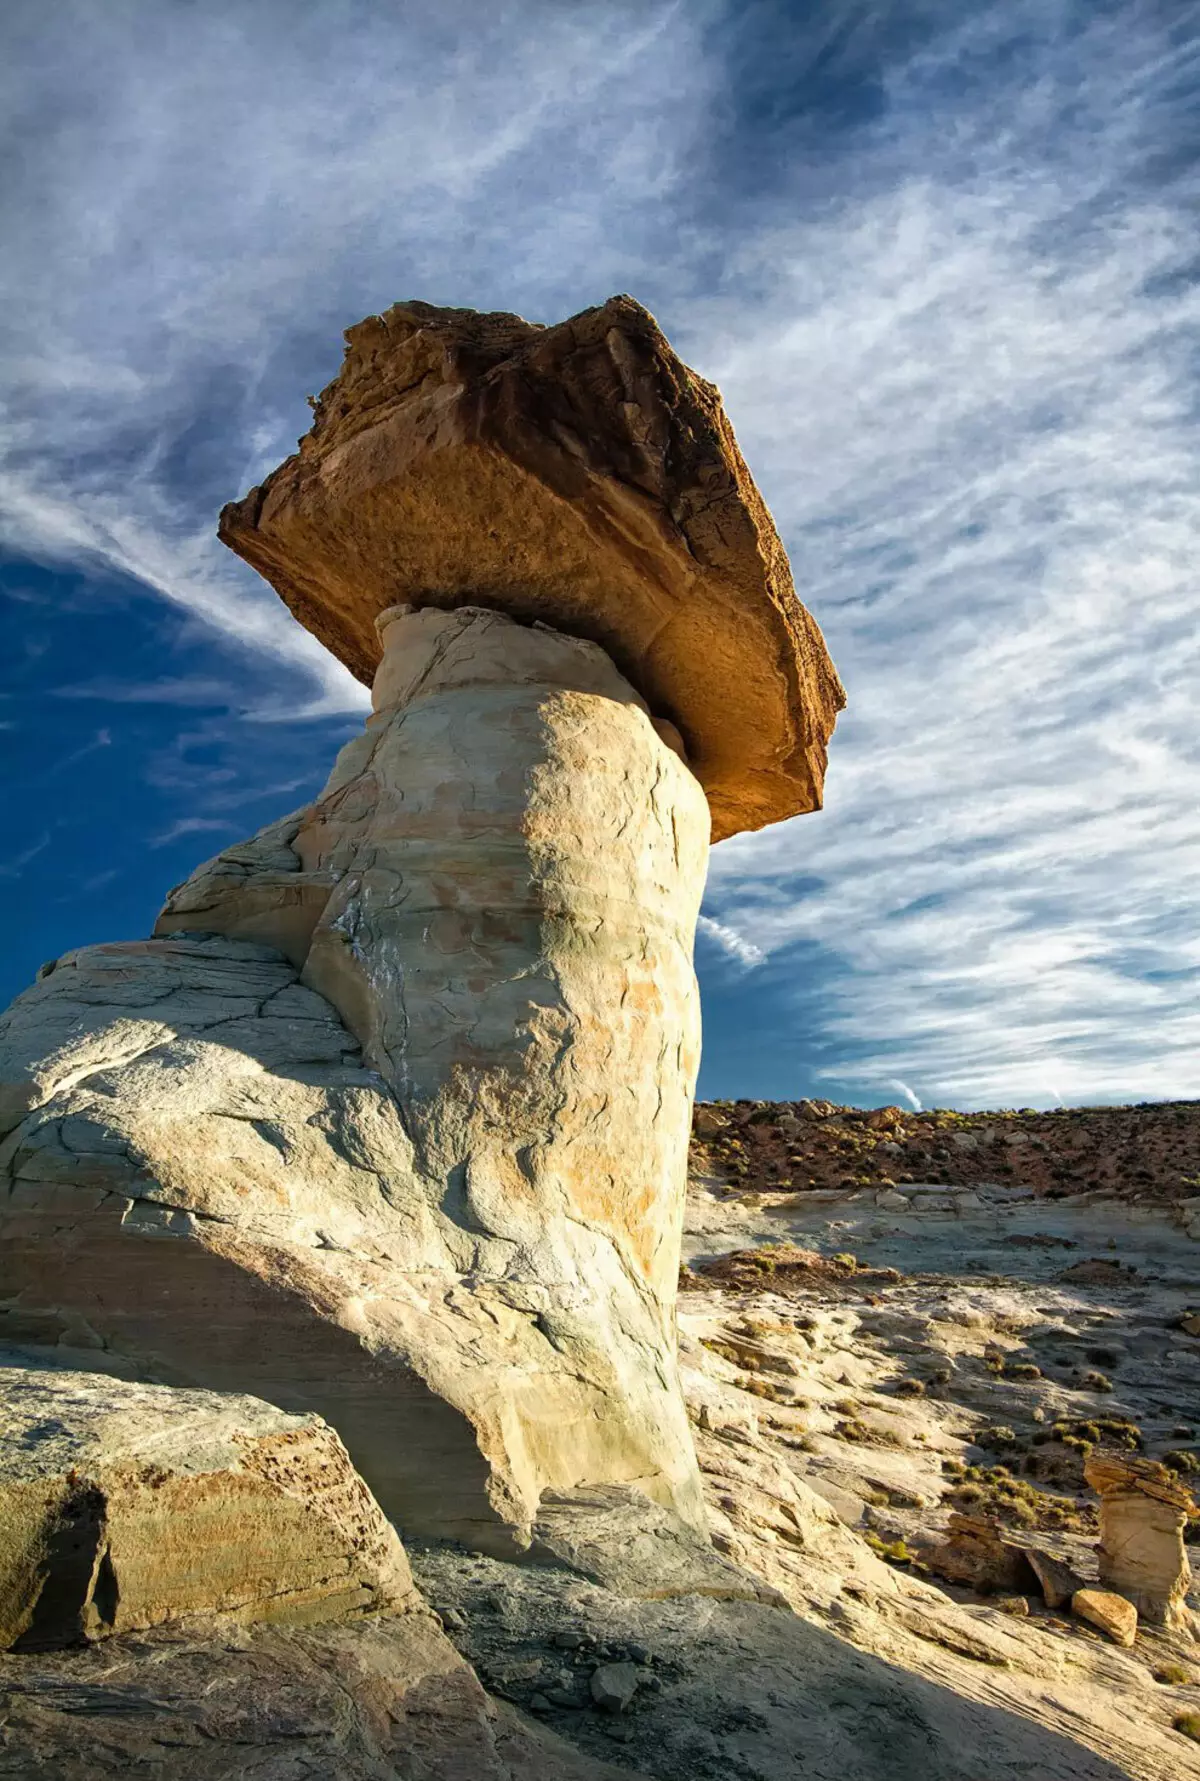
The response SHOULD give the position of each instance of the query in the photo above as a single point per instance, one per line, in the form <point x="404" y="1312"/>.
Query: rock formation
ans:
<point x="390" y="1119"/>
<point x="124" y="1505"/>
<point x="580" y="475"/>
<point x="1143" y="1512"/>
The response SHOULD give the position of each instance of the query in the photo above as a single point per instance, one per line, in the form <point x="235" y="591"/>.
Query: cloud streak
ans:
<point x="971" y="393"/>
<point x="956" y="329"/>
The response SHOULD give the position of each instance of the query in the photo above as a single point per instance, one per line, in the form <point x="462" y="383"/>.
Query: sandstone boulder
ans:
<point x="1110" y="1613"/>
<point x="1059" y="1580"/>
<point x="123" y="1505"/>
<point x="580" y="475"/>
<point x="974" y="1552"/>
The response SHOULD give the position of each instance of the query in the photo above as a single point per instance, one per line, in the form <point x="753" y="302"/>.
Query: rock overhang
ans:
<point x="578" y="475"/>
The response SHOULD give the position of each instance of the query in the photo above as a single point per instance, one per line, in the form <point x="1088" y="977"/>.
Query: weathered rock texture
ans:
<point x="125" y="1505"/>
<point x="581" y="475"/>
<point x="1142" y="1517"/>
<point x="377" y="1700"/>
<point x="460" y="1243"/>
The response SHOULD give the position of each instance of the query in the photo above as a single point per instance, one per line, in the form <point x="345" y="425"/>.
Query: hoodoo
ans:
<point x="390" y="1119"/>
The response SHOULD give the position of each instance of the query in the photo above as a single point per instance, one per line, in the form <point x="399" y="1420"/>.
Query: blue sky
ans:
<point x="941" y="258"/>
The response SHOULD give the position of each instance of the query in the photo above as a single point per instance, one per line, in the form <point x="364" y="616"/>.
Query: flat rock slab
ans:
<point x="618" y="1538"/>
<point x="736" y="1688"/>
<point x="125" y="1505"/>
<point x="378" y="1699"/>
<point x="580" y="475"/>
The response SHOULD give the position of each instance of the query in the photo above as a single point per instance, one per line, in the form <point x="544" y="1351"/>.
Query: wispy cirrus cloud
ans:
<point x="733" y="944"/>
<point x="940" y="259"/>
<point x="970" y="389"/>
<point x="209" y="195"/>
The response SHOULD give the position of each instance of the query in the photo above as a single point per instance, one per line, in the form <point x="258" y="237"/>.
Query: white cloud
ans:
<point x="959" y="348"/>
<point x="969" y="390"/>
<point x="210" y="194"/>
<point x="730" y="941"/>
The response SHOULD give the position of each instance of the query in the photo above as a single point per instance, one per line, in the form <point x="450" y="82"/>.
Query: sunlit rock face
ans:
<point x="517" y="862"/>
<point x="390" y="1120"/>
<point x="579" y="474"/>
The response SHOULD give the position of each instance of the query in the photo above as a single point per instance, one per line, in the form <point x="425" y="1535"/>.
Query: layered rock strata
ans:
<point x="390" y="1120"/>
<point x="124" y="1505"/>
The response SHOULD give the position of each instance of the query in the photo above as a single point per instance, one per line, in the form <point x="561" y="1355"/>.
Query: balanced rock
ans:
<point x="1143" y="1512"/>
<point x="124" y="1505"/>
<point x="390" y="1120"/>
<point x="580" y="475"/>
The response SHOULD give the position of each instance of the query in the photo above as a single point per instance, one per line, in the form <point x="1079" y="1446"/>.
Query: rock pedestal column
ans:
<point x="1142" y="1554"/>
<point x="497" y="891"/>
<point x="517" y="860"/>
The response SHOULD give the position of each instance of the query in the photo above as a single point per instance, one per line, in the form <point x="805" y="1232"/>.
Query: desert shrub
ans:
<point x="1171" y="1673"/>
<point x="895" y="1551"/>
<point x="1182" y="1461"/>
<point x="1189" y="1725"/>
<point x="998" y="1435"/>
<point x="1097" y="1382"/>
<point x="910" y="1388"/>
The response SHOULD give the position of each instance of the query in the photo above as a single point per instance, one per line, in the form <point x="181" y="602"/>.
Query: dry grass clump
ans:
<point x="995" y="1491"/>
<point x="787" y="1267"/>
<point x="1000" y="1364"/>
<point x="896" y="1552"/>
<point x="1189" y="1725"/>
<point x="852" y="1428"/>
<point x="1171" y="1673"/>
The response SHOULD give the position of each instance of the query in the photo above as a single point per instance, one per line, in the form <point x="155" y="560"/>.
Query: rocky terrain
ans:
<point x="1145" y="1152"/>
<point x="394" y="1382"/>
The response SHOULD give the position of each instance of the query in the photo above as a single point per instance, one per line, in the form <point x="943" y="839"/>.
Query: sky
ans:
<point x="941" y="258"/>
